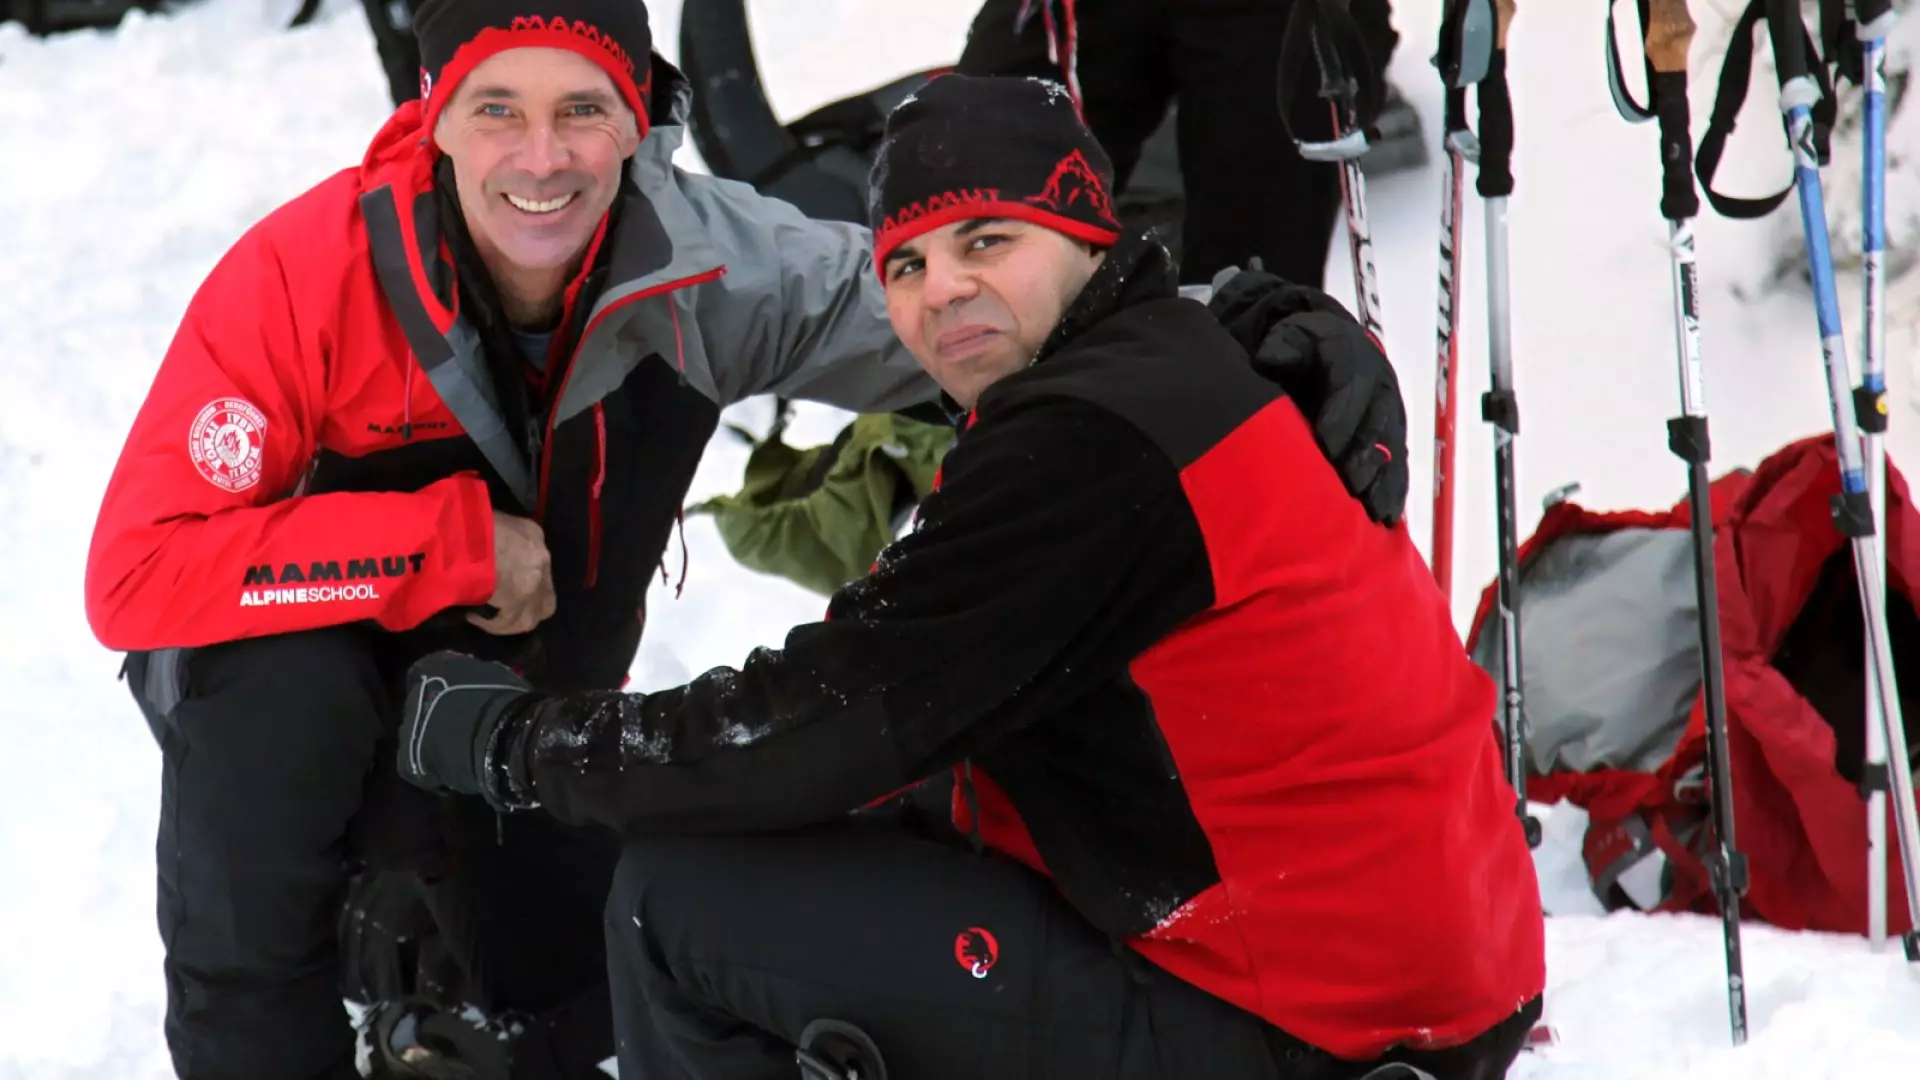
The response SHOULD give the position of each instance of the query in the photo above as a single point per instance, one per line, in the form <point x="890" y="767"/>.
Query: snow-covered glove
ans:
<point x="1337" y="374"/>
<point x="460" y="719"/>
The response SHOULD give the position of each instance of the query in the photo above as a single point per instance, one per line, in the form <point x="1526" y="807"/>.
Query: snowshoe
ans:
<point x="410" y="1039"/>
<point x="836" y="1050"/>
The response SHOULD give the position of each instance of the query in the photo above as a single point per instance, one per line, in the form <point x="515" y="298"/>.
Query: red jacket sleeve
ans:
<point x="203" y="536"/>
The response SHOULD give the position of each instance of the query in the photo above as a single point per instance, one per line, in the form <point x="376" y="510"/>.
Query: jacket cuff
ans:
<point x="467" y="529"/>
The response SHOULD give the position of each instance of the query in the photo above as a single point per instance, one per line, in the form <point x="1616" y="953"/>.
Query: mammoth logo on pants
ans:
<point x="976" y="950"/>
<point x="226" y="442"/>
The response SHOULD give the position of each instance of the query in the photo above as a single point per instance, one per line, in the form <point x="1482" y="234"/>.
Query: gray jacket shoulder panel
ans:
<point x="743" y="293"/>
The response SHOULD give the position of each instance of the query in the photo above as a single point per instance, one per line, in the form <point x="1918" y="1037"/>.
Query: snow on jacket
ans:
<point x="1175" y="668"/>
<point x="323" y="443"/>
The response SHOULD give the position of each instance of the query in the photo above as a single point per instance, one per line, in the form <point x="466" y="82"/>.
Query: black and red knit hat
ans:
<point x="998" y="146"/>
<point x="455" y="36"/>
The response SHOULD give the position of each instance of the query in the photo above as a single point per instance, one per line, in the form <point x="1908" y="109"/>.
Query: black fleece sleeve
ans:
<point x="1039" y="569"/>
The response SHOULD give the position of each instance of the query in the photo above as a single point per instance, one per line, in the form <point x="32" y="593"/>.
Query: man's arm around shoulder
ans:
<point x="800" y="312"/>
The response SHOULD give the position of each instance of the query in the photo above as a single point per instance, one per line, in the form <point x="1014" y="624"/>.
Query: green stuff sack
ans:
<point x="819" y="516"/>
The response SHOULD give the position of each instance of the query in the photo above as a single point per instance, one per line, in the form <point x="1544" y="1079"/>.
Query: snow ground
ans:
<point x="135" y="158"/>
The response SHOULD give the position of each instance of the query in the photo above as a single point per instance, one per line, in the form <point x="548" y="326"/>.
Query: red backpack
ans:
<point x="1616" y="722"/>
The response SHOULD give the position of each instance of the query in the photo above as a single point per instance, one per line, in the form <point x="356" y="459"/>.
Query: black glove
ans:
<point x="460" y="718"/>
<point x="1304" y="340"/>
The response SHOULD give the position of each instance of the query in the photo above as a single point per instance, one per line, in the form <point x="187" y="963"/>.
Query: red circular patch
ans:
<point x="226" y="442"/>
<point x="976" y="951"/>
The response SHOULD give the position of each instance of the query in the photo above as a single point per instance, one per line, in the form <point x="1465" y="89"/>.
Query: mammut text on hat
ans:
<point x="998" y="146"/>
<point x="456" y="36"/>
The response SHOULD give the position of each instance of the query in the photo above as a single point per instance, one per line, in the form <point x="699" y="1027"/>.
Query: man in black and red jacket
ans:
<point x="1235" y="804"/>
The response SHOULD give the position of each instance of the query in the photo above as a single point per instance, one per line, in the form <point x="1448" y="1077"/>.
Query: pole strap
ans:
<point x="1630" y="110"/>
<point x="1735" y="73"/>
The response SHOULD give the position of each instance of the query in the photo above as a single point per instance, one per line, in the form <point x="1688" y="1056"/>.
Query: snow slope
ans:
<point x="134" y="158"/>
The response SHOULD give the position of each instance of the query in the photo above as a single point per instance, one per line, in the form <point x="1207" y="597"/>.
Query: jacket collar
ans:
<point x="1137" y="269"/>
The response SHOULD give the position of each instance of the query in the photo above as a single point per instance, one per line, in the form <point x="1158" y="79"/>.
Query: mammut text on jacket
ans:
<point x="325" y="443"/>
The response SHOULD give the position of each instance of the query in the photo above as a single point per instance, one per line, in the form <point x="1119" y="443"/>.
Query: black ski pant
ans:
<point x="278" y="783"/>
<point x="722" y="950"/>
<point x="1248" y="191"/>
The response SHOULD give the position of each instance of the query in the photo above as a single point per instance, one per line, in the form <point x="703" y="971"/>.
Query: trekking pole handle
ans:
<point x="1670" y="30"/>
<point x="1495" y="178"/>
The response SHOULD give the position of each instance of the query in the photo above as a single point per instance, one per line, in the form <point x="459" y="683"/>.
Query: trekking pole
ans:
<point x="1852" y="510"/>
<point x="1326" y="28"/>
<point x="1669" y="36"/>
<point x="1466" y="47"/>
<point x="1873" y="21"/>
<point x="1459" y="151"/>
<point x="1498" y="406"/>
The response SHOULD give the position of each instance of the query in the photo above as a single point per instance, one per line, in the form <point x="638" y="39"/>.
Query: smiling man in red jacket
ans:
<point x="1235" y="799"/>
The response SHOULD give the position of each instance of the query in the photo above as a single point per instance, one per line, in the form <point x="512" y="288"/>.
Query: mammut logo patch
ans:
<point x="976" y="950"/>
<point x="577" y="26"/>
<point x="944" y="201"/>
<point x="1074" y="181"/>
<point x="367" y="569"/>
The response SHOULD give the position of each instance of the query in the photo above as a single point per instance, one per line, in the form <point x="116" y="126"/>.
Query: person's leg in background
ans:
<point x="1124" y="78"/>
<point x="392" y="24"/>
<point x="1248" y="191"/>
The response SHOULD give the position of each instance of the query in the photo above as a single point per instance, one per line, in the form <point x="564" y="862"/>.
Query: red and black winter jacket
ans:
<point x="1188" y="679"/>
<point x="335" y="422"/>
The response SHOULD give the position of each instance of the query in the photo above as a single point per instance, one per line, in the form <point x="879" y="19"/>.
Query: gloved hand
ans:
<point x="458" y="721"/>
<point x="1341" y="379"/>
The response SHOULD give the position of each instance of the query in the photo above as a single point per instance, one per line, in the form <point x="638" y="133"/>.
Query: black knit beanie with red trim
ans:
<point x="455" y="36"/>
<point x="996" y="146"/>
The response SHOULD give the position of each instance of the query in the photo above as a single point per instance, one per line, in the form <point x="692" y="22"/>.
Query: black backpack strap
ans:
<point x="1735" y="73"/>
<point x="1845" y="54"/>
<point x="308" y="9"/>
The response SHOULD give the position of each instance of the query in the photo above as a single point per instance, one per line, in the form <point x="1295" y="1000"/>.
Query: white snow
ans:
<point x="132" y="160"/>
